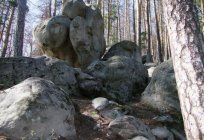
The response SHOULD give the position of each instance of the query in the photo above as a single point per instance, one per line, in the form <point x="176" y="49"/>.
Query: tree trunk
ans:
<point x="102" y="8"/>
<point x="125" y="22"/>
<point x="55" y="8"/>
<point x="19" y="35"/>
<point x="139" y="41"/>
<point x="4" y="24"/>
<point x="2" y="8"/>
<point x="134" y="25"/>
<point x="202" y="11"/>
<point x="187" y="52"/>
<point x="159" y="48"/>
<point x="3" y="54"/>
<point x="119" y="32"/>
<point x="109" y="21"/>
<point x="149" y="55"/>
<point x="127" y="16"/>
<point x="50" y="9"/>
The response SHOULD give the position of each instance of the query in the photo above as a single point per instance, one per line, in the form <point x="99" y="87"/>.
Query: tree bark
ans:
<point x="55" y="8"/>
<point x="149" y="55"/>
<point x="187" y="52"/>
<point x="109" y="21"/>
<point x="50" y="9"/>
<point x="139" y="40"/>
<point x="102" y="8"/>
<point x="134" y="25"/>
<point x="159" y="48"/>
<point x="19" y="35"/>
<point x="3" y="54"/>
<point x="4" y="24"/>
<point x="119" y="32"/>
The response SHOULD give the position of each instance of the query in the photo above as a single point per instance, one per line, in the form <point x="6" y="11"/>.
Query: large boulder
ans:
<point x="121" y="76"/>
<point x="52" y="37"/>
<point x="77" y="36"/>
<point x="88" y="85"/>
<point x="129" y="127"/>
<point x="36" y="109"/>
<point x="87" y="37"/>
<point x="124" y="48"/>
<point x="162" y="133"/>
<point x="15" y="70"/>
<point x="74" y="8"/>
<point x="161" y="93"/>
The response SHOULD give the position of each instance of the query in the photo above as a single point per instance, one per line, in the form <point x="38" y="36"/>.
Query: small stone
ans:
<point x="97" y="127"/>
<point x="99" y="103"/>
<point x="139" y="138"/>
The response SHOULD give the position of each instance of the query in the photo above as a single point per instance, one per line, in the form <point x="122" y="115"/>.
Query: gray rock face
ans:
<point x="129" y="127"/>
<point x="109" y="110"/>
<point x="15" y="70"/>
<point x="87" y="37"/>
<point x="162" y="133"/>
<point x="161" y="93"/>
<point x="112" y="112"/>
<point x="36" y="109"/>
<point x="52" y="37"/>
<point x="124" y="48"/>
<point x="122" y="77"/>
<point x="76" y="37"/>
<point x="74" y="8"/>
<point x="88" y="85"/>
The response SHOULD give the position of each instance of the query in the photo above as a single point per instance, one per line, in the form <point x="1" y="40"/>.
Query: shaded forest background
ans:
<point x="141" y="21"/>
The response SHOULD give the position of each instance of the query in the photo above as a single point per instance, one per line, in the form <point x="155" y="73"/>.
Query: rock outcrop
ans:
<point x="52" y="37"/>
<point x="161" y="93"/>
<point x="122" y="77"/>
<point x="129" y="127"/>
<point x="88" y="85"/>
<point x="76" y="36"/>
<point x="15" y="70"/>
<point x="74" y="8"/>
<point x="86" y="35"/>
<point x="124" y="48"/>
<point x="36" y="109"/>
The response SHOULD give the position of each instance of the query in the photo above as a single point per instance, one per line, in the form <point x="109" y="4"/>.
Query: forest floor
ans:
<point x="87" y="119"/>
<point x="91" y="126"/>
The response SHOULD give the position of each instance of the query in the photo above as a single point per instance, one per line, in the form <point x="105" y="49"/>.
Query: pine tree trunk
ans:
<point x="4" y="24"/>
<point x="102" y="8"/>
<point x="187" y="51"/>
<point x="134" y="25"/>
<point x="125" y="23"/>
<point x="139" y="41"/>
<point x="109" y="21"/>
<point x="3" y="54"/>
<point x="50" y="9"/>
<point x="19" y="35"/>
<point x="149" y="55"/>
<point x="202" y="11"/>
<point x="55" y="8"/>
<point x="119" y="32"/>
<point x="159" y="48"/>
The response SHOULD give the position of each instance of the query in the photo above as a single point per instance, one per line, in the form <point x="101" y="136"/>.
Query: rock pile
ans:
<point x="76" y="36"/>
